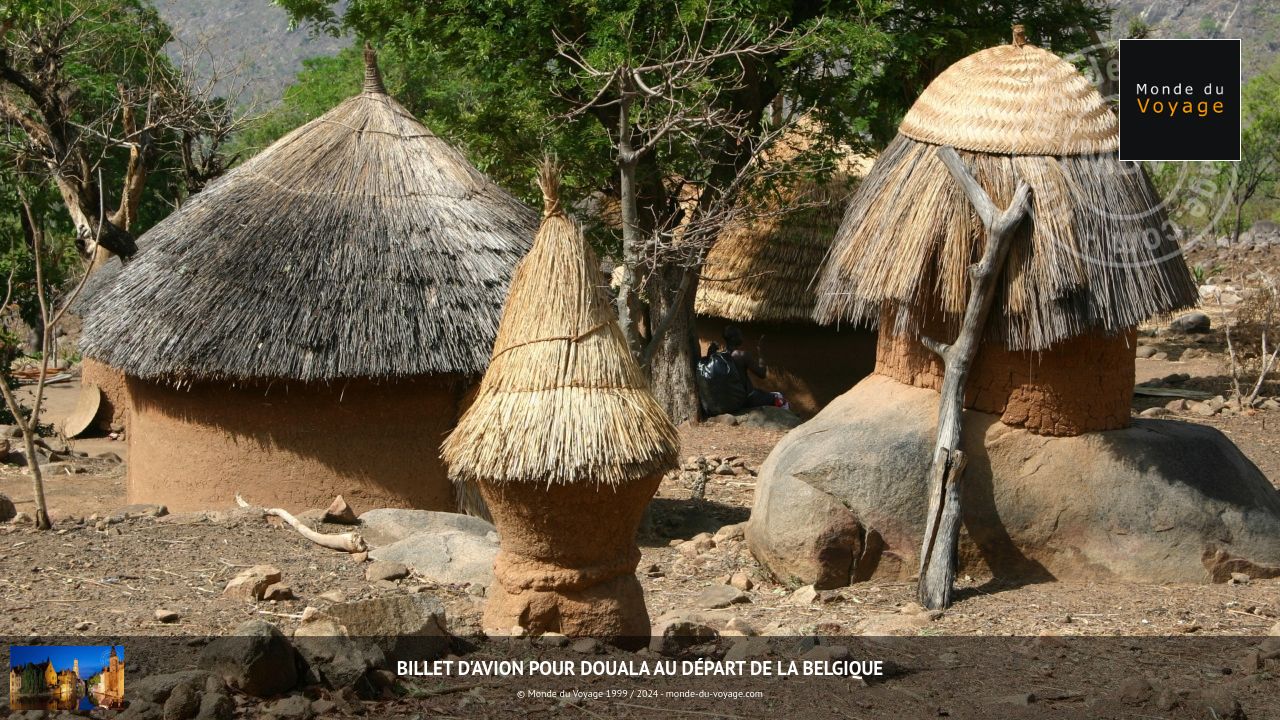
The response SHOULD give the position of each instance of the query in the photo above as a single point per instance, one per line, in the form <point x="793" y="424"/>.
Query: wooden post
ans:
<point x="942" y="526"/>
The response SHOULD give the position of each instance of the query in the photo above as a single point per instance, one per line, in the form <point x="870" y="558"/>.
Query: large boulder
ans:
<point x="449" y="557"/>
<point x="389" y="525"/>
<point x="255" y="659"/>
<point x="842" y="498"/>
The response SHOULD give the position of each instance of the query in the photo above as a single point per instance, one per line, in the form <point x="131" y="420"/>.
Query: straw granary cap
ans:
<point x="360" y="245"/>
<point x="563" y="400"/>
<point x="1095" y="255"/>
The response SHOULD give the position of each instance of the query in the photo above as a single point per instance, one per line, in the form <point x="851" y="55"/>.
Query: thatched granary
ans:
<point x="567" y="446"/>
<point x="759" y="276"/>
<point x="1093" y="261"/>
<point x="1060" y="482"/>
<point x="309" y="324"/>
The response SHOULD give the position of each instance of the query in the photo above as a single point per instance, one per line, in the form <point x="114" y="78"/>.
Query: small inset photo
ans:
<point x="1180" y="99"/>
<point x="76" y="678"/>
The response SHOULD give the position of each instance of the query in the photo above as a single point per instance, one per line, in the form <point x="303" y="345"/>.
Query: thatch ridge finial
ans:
<point x="1019" y="35"/>
<point x="549" y="183"/>
<point x="372" y="76"/>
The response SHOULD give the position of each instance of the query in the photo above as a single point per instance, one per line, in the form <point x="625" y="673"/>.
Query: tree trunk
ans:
<point x="942" y="525"/>
<point x="671" y="366"/>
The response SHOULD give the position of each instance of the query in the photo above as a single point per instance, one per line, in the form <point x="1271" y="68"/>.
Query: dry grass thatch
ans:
<point x="359" y="245"/>
<point x="761" y="267"/>
<point x="1094" y="256"/>
<point x="563" y="400"/>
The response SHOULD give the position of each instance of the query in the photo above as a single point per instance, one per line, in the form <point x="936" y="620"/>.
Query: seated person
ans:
<point x="724" y="377"/>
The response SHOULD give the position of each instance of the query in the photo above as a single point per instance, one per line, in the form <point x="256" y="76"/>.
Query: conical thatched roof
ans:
<point x="1094" y="255"/>
<point x="761" y="267"/>
<point x="359" y="245"/>
<point x="563" y="400"/>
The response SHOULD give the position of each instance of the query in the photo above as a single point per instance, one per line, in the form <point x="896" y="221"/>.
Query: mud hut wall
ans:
<point x="1080" y="385"/>
<point x="114" y="409"/>
<point x="810" y="364"/>
<point x="292" y="445"/>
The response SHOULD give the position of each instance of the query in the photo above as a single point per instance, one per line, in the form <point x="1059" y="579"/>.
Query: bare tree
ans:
<point x="702" y="95"/>
<point x="70" y="138"/>
<point x="49" y="319"/>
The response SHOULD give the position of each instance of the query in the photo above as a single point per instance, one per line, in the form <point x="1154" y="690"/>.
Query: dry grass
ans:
<point x="563" y="400"/>
<point x="360" y="245"/>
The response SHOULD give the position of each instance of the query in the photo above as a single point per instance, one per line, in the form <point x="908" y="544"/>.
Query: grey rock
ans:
<point x="448" y="557"/>
<point x="252" y="583"/>
<point x="157" y="688"/>
<point x="183" y="703"/>
<point x="587" y="646"/>
<point x="7" y="510"/>
<point x="748" y="648"/>
<point x="216" y="706"/>
<point x="294" y="707"/>
<point x="1191" y="323"/>
<point x="167" y="616"/>
<point x="340" y="513"/>
<point x="673" y="633"/>
<point x="723" y="419"/>
<point x="138" y="510"/>
<point x="333" y="658"/>
<point x="256" y="658"/>
<point x="721" y="596"/>
<point x="406" y="627"/>
<point x="1146" y="351"/>
<point x="843" y="497"/>
<point x="385" y="526"/>
<point x="769" y="418"/>
<point x="385" y="570"/>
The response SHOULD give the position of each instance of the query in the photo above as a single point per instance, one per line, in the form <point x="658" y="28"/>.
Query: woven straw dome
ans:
<point x="1016" y="100"/>
<point x="563" y="400"/>
<point x="360" y="245"/>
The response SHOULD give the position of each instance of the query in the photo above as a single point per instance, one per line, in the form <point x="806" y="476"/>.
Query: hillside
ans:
<point x="252" y="36"/>
<point x="1256" y="22"/>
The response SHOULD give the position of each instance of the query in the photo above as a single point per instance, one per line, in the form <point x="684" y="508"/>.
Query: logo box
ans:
<point x="1180" y="99"/>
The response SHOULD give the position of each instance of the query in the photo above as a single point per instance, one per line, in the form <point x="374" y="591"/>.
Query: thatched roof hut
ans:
<point x="1093" y="260"/>
<point x="1094" y="257"/>
<point x="563" y="400"/>
<point x="759" y="276"/>
<point x="349" y="273"/>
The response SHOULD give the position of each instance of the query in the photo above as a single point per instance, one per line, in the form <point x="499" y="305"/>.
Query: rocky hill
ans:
<point x="1256" y="22"/>
<point x="249" y="38"/>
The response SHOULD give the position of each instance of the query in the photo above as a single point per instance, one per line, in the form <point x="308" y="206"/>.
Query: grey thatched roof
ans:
<point x="359" y="245"/>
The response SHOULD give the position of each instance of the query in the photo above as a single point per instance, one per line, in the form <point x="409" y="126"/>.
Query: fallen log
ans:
<point x="942" y="525"/>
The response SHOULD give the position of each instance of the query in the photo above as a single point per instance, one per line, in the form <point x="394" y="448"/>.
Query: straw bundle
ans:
<point x="360" y="245"/>
<point x="1094" y="256"/>
<point x="563" y="400"/>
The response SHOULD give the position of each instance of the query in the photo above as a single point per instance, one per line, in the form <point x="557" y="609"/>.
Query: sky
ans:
<point x="93" y="658"/>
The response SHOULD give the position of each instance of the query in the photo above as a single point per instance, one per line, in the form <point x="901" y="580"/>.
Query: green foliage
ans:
<point x="485" y="74"/>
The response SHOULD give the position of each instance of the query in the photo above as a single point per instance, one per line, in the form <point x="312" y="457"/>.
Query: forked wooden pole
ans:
<point x="942" y="526"/>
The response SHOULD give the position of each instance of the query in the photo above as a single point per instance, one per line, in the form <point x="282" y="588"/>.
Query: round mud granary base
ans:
<point x="292" y="445"/>
<point x="552" y="576"/>
<point x="1080" y="385"/>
